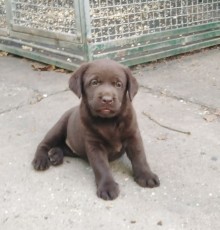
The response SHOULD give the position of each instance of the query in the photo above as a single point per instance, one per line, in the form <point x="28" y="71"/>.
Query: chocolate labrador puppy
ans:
<point x="101" y="128"/>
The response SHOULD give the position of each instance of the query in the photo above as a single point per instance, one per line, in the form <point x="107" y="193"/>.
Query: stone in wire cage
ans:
<point x="117" y="19"/>
<point x="49" y="15"/>
<point x="2" y="14"/>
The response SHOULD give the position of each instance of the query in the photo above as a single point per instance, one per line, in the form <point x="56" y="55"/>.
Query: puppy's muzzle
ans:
<point x="107" y="100"/>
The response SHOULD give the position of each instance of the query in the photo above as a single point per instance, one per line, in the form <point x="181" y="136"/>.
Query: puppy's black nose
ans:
<point x="107" y="100"/>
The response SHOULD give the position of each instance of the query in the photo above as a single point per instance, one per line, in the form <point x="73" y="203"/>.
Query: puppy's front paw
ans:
<point x="56" y="156"/>
<point x="41" y="162"/>
<point x="108" y="190"/>
<point x="148" y="179"/>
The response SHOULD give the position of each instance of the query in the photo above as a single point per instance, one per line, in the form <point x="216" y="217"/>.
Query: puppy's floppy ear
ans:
<point x="132" y="85"/>
<point x="75" y="81"/>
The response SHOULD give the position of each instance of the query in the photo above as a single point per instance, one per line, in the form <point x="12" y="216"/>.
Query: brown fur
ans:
<point x="101" y="128"/>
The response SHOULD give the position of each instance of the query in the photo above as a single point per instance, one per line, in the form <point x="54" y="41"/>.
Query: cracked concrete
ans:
<point x="203" y="72"/>
<point x="177" y="94"/>
<point x="29" y="88"/>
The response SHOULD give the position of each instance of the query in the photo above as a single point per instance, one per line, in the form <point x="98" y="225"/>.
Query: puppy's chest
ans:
<point x="114" y="137"/>
<point x="116" y="144"/>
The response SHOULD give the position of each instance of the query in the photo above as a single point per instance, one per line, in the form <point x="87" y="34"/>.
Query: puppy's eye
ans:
<point x="118" y="84"/>
<point x="94" y="82"/>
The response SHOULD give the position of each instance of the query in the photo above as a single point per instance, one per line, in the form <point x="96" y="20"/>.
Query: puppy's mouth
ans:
<point x="105" y="112"/>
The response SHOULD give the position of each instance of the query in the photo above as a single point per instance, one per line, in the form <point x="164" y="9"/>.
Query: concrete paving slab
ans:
<point x="188" y="165"/>
<point x="191" y="79"/>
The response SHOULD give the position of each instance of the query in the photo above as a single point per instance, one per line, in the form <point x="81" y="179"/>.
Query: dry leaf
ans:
<point x="210" y="117"/>
<point x="38" y="67"/>
<point x="50" y="68"/>
<point x="3" y="54"/>
<point x="43" y="68"/>
<point x="60" y="70"/>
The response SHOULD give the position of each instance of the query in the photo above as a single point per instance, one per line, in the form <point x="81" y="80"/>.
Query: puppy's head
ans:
<point x="103" y="84"/>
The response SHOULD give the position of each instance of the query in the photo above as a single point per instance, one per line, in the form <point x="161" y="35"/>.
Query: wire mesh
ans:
<point x="50" y="15"/>
<point x="2" y="14"/>
<point x="115" y="19"/>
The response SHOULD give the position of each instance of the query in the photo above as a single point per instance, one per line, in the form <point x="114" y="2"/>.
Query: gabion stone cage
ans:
<point x="67" y="33"/>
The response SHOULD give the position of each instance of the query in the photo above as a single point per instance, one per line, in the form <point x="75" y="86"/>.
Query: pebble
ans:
<point x="160" y="223"/>
<point x="214" y="158"/>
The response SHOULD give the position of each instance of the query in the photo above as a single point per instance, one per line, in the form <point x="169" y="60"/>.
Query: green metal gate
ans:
<point x="66" y="33"/>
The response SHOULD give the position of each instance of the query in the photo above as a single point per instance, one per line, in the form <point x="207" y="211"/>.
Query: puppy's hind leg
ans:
<point x="50" y="144"/>
<point x="56" y="154"/>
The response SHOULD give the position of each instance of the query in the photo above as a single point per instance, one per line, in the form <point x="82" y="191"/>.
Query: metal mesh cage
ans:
<point x="115" y="19"/>
<point x="50" y="15"/>
<point x="2" y="14"/>
<point x="67" y="33"/>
